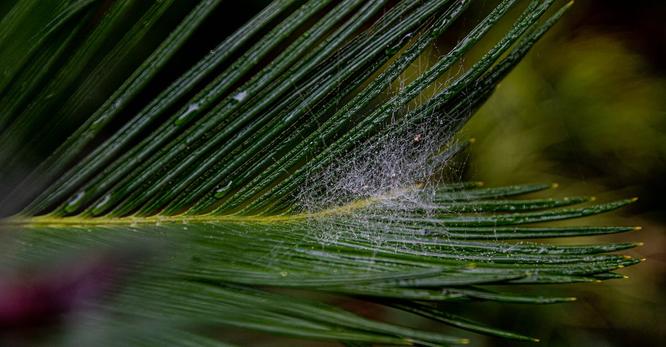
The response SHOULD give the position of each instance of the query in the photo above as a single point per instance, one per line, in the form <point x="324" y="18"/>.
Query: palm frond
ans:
<point x="258" y="173"/>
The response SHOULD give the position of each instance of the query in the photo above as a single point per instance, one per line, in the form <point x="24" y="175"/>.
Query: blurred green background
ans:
<point x="587" y="109"/>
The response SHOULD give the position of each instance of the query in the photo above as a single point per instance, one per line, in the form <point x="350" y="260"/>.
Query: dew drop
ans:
<point x="74" y="202"/>
<point x="191" y="108"/>
<point x="220" y="192"/>
<point x="101" y="205"/>
<point x="240" y="96"/>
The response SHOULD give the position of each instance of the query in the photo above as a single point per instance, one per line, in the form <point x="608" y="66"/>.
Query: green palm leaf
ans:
<point x="281" y="165"/>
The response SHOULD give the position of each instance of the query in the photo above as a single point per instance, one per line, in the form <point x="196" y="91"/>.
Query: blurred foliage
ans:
<point x="594" y="106"/>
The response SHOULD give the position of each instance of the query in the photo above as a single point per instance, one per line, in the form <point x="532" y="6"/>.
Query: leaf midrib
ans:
<point x="82" y="220"/>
